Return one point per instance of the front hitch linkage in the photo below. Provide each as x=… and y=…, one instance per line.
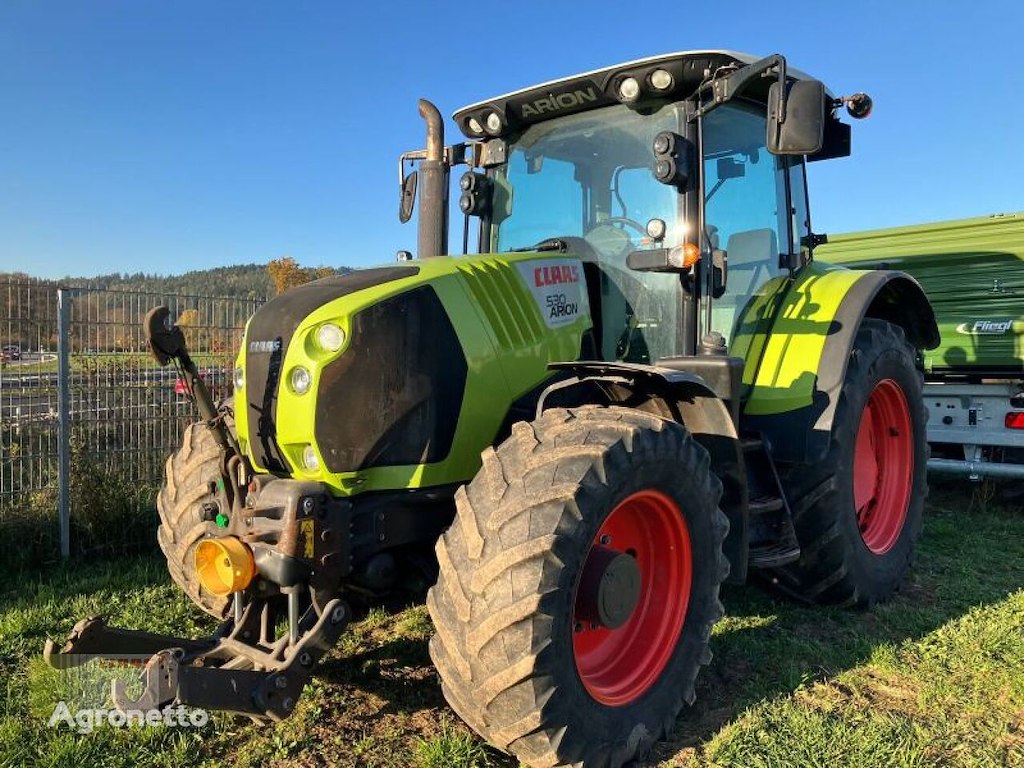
x=243, y=668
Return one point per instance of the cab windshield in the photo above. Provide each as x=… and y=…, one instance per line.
x=587, y=180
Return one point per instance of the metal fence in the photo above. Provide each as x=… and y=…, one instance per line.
x=87, y=418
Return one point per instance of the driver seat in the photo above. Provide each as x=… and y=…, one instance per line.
x=753, y=259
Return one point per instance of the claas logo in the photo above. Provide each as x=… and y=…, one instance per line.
x=543, y=276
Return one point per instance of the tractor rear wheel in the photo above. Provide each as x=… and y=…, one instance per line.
x=858, y=512
x=189, y=473
x=578, y=586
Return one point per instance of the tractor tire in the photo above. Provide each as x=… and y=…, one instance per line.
x=189, y=472
x=578, y=586
x=858, y=513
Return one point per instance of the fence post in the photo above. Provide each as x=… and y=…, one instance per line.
x=64, y=300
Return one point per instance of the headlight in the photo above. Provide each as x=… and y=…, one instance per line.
x=309, y=459
x=330, y=337
x=239, y=377
x=301, y=379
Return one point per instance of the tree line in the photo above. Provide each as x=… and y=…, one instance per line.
x=111, y=302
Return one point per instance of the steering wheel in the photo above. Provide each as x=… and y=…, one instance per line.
x=613, y=241
x=641, y=228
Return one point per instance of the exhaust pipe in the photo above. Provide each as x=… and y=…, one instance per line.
x=432, y=235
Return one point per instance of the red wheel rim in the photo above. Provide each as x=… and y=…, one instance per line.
x=883, y=467
x=618, y=666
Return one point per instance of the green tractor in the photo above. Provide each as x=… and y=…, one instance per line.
x=642, y=386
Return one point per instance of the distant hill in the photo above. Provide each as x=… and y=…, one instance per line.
x=110, y=321
x=243, y=280
x=239, y=281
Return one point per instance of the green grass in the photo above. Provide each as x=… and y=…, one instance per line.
x=933, y=678
x=452, y=748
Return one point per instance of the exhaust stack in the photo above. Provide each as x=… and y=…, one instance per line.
x=432, y=235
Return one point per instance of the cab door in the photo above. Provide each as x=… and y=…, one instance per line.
x=756, y=211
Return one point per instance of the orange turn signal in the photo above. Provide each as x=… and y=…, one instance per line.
x=224, y=565
x=691, y=254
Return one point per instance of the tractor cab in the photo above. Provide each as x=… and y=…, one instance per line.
x=678, y=181
x=587, y=181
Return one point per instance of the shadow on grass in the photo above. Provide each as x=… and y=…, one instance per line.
x=767, y=646
x=971, y=554
x=377, y=694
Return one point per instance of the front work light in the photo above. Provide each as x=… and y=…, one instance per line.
x=239, y=377
x=300, y=380
x=309, y=459
x=661, y=80
x=629, y=89
x=494, y=123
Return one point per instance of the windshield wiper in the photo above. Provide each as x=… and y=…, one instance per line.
x=552, y=244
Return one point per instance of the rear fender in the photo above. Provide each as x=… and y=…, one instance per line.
x=792, y=387
x=682, y=397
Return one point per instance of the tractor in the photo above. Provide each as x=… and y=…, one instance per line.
x=641, y=387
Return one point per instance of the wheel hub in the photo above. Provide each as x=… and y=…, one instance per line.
x=883, y=469
x=609, y=588
x=631, y=598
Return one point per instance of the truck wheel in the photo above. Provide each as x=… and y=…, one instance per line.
x=189, y=473
x=578, y=586
x=858, y=512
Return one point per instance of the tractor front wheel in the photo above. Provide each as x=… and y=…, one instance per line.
x=578, y=586
x=189, y=473
x=858, y=512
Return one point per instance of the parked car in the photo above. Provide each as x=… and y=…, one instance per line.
x=10, y=352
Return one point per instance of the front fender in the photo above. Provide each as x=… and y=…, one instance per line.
x=684, y=397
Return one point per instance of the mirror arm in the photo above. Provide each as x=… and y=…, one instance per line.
x=726, y=88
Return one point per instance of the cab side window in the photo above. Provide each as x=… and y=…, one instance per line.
x=746, y=207
x=799, y=210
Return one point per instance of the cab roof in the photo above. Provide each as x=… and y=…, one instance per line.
x=599, y=88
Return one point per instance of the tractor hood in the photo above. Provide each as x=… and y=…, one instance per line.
x=397, y=376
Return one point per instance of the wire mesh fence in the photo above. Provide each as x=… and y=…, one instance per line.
x=87, y=417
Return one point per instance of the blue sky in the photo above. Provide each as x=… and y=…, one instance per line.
x=138, y=135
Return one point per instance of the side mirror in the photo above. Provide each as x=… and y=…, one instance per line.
x=719, y=272
x=796, y=117
x=164, y=339
x=407, y=201
x=730, y=169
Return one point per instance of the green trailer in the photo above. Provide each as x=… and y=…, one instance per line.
x=973, y=272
